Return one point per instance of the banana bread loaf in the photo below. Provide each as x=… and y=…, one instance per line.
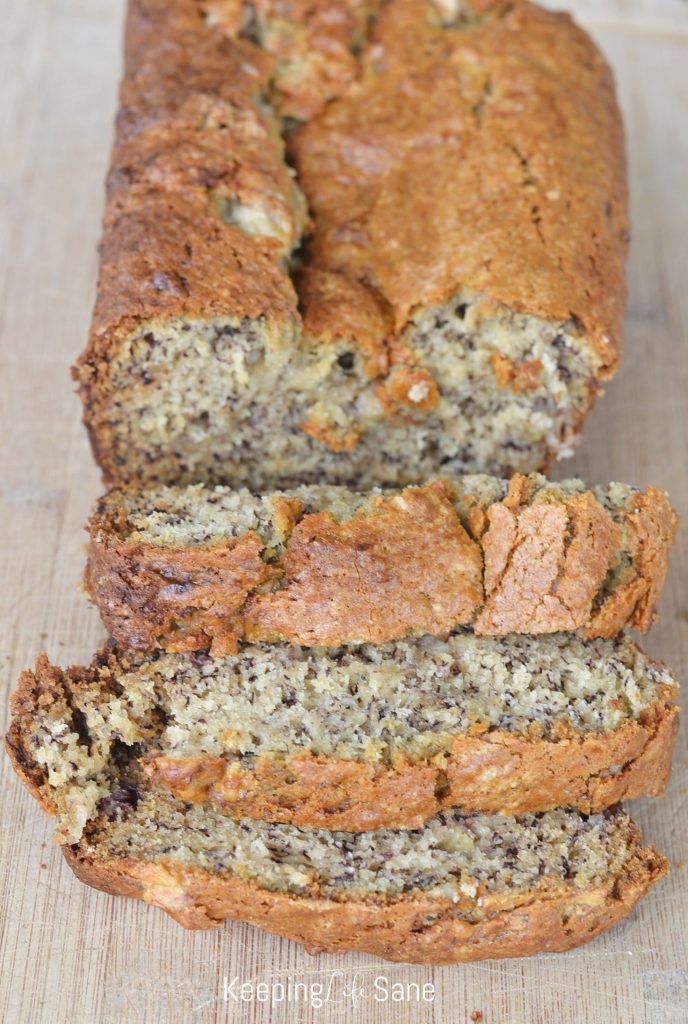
x=357, y=738
x=465, y=887
x=455, y=299
x=188, y=568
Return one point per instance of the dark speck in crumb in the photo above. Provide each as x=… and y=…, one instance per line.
x=120, y=803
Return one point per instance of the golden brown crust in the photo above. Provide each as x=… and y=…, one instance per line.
x=190, y=159
x=307, y=790
x=165, y=256
x=416, y=929
x=409, y=566
x=405, y=568
x=170, y=53
x=441, y=116
x=495, y=773
x=334, y=309
x=544, y=564
x=587, y=771
x=146, y=591
x=189, y=132
x=650, y=527
x=313, y=42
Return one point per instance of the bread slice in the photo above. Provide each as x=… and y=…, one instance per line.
x=454, y=303
x=465, y=887
x=188, y=568
x=355, y=738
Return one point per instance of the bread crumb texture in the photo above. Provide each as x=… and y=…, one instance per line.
x=464, y=887
x=353, y=738
x=83, y=736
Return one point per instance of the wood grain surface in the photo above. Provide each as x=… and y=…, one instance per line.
x=72, y=955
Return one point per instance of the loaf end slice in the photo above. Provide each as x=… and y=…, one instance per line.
x=465, y=351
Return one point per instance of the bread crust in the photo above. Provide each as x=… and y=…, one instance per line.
x=410, y=567
x=148, y=595
x=166, y=252
x=525, y=564
x=414, y=930
x=650, y=527
x=418, y=929
x=313, y=41
x=371, y=181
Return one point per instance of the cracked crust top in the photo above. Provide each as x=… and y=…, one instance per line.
x=452, y=156
x=467, y=119
x=544, y=558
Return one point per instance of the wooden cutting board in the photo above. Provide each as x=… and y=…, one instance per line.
x=72, y=955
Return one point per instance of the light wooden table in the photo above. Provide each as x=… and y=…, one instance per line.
x=72, y=955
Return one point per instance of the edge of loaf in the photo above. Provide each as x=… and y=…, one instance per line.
x=188, y=568
x=416, y=335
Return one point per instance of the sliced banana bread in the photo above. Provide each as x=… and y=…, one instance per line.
x=188, y=568
x=462, y=888
x=455, y=299
x=355, y=738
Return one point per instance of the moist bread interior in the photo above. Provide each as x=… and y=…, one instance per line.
x=227, y=399
x=454, y=856
x=369, y=703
